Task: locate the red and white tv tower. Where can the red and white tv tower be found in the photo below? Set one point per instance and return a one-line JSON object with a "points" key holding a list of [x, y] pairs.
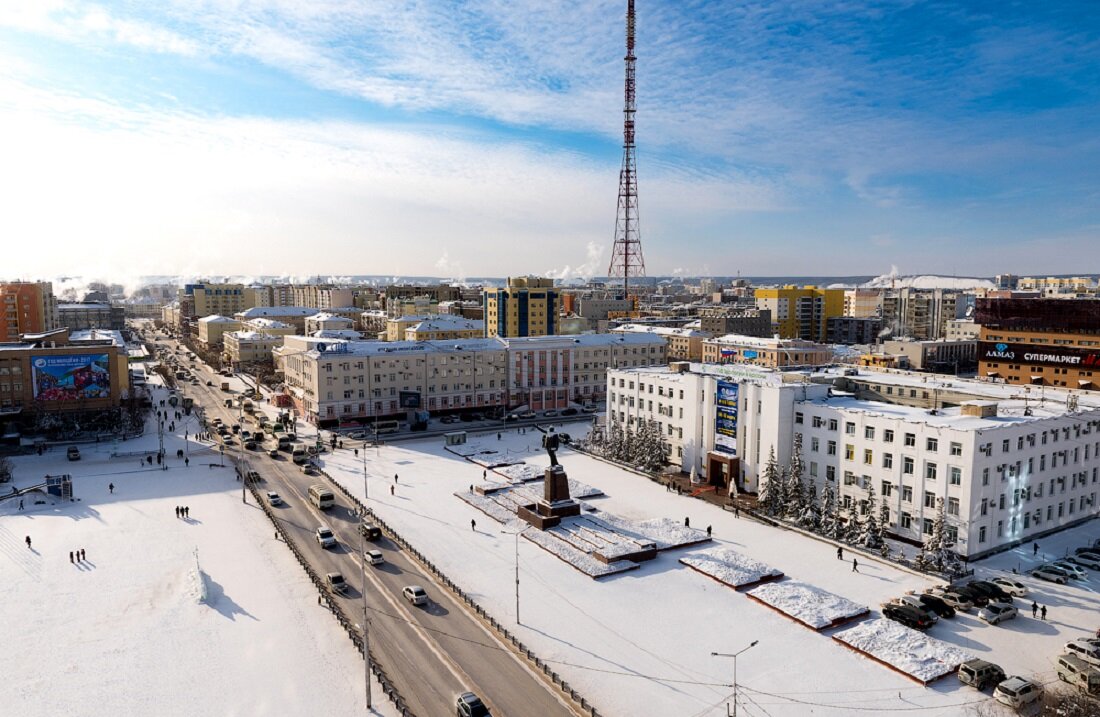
{"points": [[626, 255]]}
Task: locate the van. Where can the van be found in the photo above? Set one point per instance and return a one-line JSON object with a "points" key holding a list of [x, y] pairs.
{"points": [[1075, 671], [1016, 692], [980, 674], [1087, 649], [321, 497], [298, 453]]}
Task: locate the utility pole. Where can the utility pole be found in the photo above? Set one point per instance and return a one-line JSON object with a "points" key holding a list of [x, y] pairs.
{"points": [[363, 583], [516, 533], [734, 656]]}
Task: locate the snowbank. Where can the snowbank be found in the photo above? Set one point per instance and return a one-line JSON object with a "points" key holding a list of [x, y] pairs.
{"points": [[579, 559], [906, 650], [807, 604], [730, 567]]}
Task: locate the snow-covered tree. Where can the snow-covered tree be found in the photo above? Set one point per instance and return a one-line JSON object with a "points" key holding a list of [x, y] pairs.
{"points": [[937, 551], [852, 529], [871, 530], [883, 520], [829, 523], [596, 441], [649, 448], [795, 494], [810, 519], [770, 489]]}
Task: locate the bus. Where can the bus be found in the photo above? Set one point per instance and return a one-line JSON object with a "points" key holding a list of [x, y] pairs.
{"points": [[298, 453], [387, 426], [321, 497]]}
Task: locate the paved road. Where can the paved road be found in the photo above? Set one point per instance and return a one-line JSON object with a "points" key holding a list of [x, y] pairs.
{"points": [[432, 652]]}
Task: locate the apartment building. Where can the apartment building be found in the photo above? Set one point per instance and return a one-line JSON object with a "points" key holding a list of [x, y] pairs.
{"points": [[849, 330], [962, 330], [920, 314], [863, 303], [801, 312], [294, 315], [322, 296], [325, 321], [206, 299], [770, 353], [29, 307], [1055, 284], [243, 348], [269, 326], [1008, 469], [743, 321], [1040, 342], [683, 344], [373, 322], [527, 306], [440, 328], [212, 328], [50, 371]]}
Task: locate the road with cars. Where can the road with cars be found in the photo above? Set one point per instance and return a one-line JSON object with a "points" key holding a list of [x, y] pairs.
{"points": [[432, 652]]}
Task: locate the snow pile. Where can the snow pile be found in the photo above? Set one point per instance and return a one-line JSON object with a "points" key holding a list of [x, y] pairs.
{"points": [[906, 650], [196, 586], [730, 567], [662, 532], [522, 473], [491, 505], [926, 281], [579, 559], [807, 604]]}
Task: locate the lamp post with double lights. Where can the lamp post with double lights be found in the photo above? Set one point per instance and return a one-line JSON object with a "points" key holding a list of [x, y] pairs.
{"points": [[517, 533], [734, 656]]}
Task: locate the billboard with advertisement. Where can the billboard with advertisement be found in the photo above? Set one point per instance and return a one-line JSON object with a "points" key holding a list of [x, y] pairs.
{"points": [[409, 399], [725, 417], [71, 377], [1033, 355]]}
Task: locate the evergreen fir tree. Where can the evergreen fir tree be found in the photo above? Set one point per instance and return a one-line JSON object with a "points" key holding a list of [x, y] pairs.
{"points": [[810, 519], [769, 492], [871, 534], [795, 498], [829, 525], [883, 519]]}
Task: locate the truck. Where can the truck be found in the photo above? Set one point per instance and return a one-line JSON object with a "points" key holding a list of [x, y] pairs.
{"points": [[225, 385]]}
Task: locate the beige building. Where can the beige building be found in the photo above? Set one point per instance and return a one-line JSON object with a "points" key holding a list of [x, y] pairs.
{"points": [[771, 353], [221, 299], [50, 372], [322, 297], [269, 326], [412, 306], [249, 347], [683, 344], [441, 328], [294, 315], [325, 321], [863, 303], [373, 323], [213, 327], [962, 330]]}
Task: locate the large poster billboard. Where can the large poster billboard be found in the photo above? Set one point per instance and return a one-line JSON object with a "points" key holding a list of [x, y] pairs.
{"points": [[72, 377], [725, 417]]}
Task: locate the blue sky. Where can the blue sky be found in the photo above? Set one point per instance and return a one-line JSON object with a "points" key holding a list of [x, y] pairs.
{"points": [[483, 137]]}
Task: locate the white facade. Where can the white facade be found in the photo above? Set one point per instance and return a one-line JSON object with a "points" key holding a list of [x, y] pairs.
{"points": [[1004, 479]]}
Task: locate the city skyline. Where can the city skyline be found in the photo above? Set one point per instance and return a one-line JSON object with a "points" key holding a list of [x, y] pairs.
{"points": [[446, 138]]}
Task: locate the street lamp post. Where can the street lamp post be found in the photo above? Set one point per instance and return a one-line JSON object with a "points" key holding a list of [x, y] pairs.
{"points": [[734, 656], [516, 533]]}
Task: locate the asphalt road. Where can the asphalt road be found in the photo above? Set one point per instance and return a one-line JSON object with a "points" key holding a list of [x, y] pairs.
{"points": [[431, 652]]}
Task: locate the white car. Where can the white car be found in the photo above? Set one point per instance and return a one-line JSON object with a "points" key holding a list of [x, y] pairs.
{"points": [[274, 498], [1016, 692], [1088, 649], [336, 583], [1073, 570], [1012, 587], [415, 594], [1044, 574], [1087, 560], [995, 613], [325, 537], [953, 599], [374, 557]]}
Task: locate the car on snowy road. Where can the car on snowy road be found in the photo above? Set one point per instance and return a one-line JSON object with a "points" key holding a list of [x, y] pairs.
{"points": [[374, 557], [908, 615], [73, 454], [274, 498], [1016, 692], [1075, 571], [325, 537], [1012, 587], [1085, 560], [952, 598], [1054, 576], [336, 583], [996, 613], [470, 705], [415, 594]]}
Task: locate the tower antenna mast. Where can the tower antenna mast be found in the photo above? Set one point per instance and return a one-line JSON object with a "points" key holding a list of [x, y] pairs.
{"points": [[626, 255]]}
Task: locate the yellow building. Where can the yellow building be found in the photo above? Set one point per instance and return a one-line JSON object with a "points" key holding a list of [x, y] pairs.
{"points": [[223, 299], [801, 313], [527, 306], [442, 328], [211, 328]]}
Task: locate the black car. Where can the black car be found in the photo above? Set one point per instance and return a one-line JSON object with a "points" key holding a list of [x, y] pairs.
{"points": [[569, 412], [979, 597], [470, 705], [991, 590], [936, 605], [908, 616]]}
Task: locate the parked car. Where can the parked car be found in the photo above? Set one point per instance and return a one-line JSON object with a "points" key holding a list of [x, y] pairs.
{"points": [[1075, 571], [250, 445], [470, 705], [336, 583], [991, 590], [415, 594], [1013, 587], [914, 601], [1085, 560], [1087, 649], [1050, 575], [374, 557], [936, 605], [1017, 692], [908, 616], [1075, 671], [73, 453], [550, 414], [980, 674], [325, 537], [954, 599], [977, 597], [569, 412], [274, 498], [527, 414], [996, 613], [1093, 552]]}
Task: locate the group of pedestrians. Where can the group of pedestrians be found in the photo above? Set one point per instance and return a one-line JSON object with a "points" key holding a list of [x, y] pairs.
{"points": [[1042, 611], [183, 511], [76, 556]]}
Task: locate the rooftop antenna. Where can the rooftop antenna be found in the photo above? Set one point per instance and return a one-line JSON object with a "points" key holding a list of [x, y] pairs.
{"points": [[626, 255]]}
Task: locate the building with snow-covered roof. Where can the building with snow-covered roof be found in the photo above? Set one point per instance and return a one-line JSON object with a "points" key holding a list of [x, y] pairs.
{"points": [[91, 315], [325, 321], [249, 347], [769, 353], [294, 315], [1010, 465], [212, 328], [684, 344], [443, 327], [345, 334]]}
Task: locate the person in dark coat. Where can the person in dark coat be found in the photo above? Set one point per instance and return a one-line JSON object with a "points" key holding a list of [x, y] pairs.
{"points": [[1034, 609], [840, 553], [177, 511], [111, 487], [71, 556], [1043, 612], [28, 541], [82, 553], [855, 565], [708, 531], [473, 524], [687, 522]]}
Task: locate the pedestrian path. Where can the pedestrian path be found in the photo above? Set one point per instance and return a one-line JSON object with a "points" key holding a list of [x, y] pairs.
{"points": [[14, 548]]}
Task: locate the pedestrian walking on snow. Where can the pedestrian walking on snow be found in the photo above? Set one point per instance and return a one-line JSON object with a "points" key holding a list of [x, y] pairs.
{"points": [[20, 504], [356, 452], [71, 556], [111, 487], [687, 522], [28, 541], [855, 565], [394, 477], [82, 555], [1034, 548], [473, 524], [1034, 609], [187, 462], [187, 511], [177, 511], [708, 531], [1043, 612], [840, 553], [391, 490], [484, 474], [736, 511]]}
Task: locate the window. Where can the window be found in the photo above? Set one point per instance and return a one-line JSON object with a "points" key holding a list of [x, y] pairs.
{"points": [[832, 424], [930, 471], [927, 527], [814, 444], [906, 521], [868, 457], [954, 475], [907, 493], [929, 499], [887, 460], [888, 435], [830, 473], [831, 448], [985, 507], [910, 440], [956, 449], [952, 506], [985, 476], [798, 417], [907, 465], [849, 452], [1005, 445], [850, 428], [932, 444], [869, 432], [981, 534], [813, 469]]}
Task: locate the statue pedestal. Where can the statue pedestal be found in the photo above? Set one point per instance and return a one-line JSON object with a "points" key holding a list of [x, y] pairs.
{"points": [[555, 504]]}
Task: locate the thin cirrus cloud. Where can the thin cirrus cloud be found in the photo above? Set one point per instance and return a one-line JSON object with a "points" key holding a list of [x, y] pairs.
{"points": [[787, 121]]}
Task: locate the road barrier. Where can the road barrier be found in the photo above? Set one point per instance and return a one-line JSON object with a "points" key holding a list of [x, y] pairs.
{"points": [[501, 631], [388, 688]]}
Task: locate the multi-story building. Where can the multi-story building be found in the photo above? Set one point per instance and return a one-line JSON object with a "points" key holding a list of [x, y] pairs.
{"points": [[770, 353], [29, 307], [221, 299], [440, 328], [527, 306], [212, 329], [397, 307], [743, 321], [850, 330], [373, 323], [596, 306], [325, 321], [863, 303], [1007, 468], [49, 371], [258, 295], [801, 312], [322, 297], [269, 326], [89, 315], [243, 348], [935, 356], [962, 330], [1042, 342], [294, 315], [1055, 284], [437, 293], [142, 307], [683, 344], [920, 314]]}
